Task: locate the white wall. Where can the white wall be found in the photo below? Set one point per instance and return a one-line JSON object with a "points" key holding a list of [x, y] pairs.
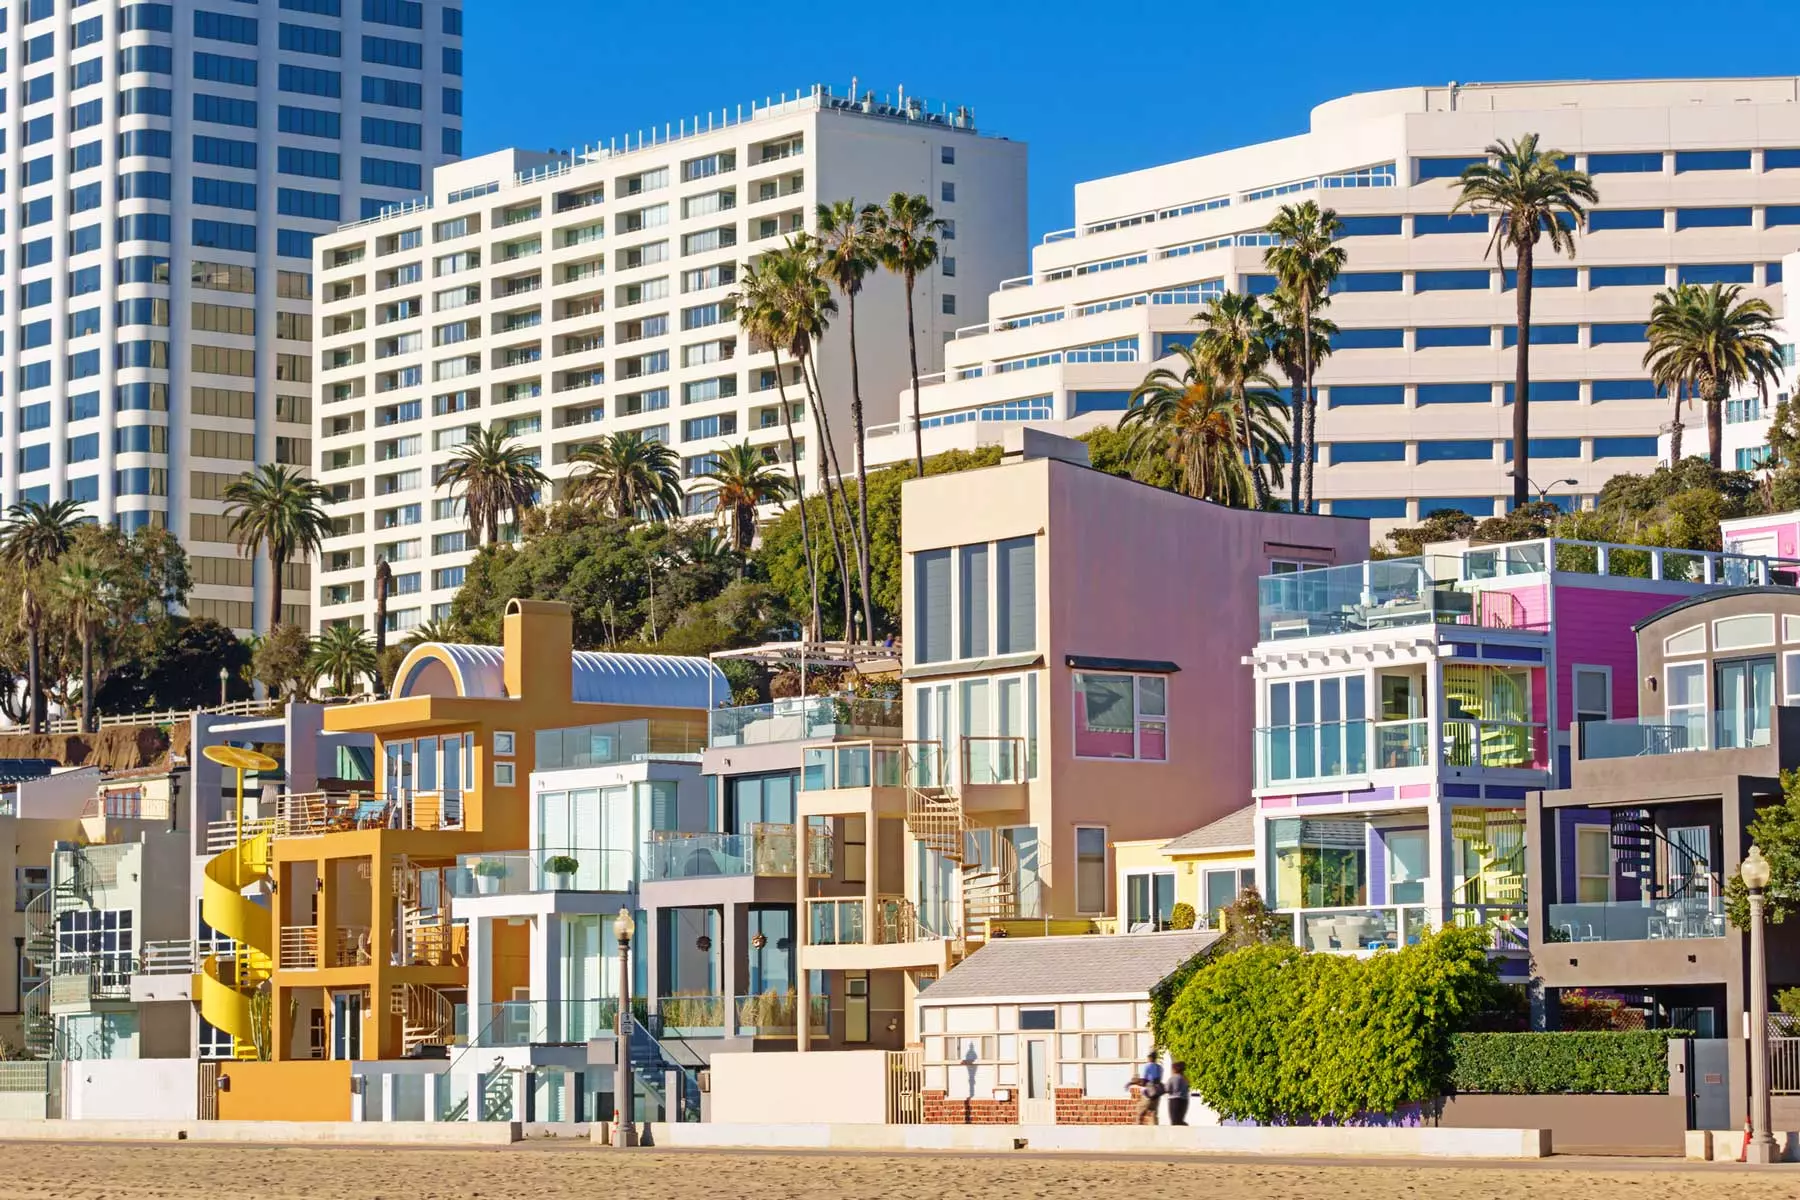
{"points": [[131, 1089], [842, 1087]]}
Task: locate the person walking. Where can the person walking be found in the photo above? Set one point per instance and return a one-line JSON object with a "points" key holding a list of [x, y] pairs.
{"points": [[1149, 1083], [1177, 1088]]}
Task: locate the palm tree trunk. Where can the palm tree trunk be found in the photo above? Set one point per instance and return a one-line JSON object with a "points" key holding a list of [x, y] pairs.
{"points": [[912, 348], [88, 724], [1296, 436], [809, 369], [34, 660], [1675, 426], [1309, 411], [275, 557], [812, 566], [1522, 385], [1715, 421], [1258, 484], [862, 477], [650, 577]]}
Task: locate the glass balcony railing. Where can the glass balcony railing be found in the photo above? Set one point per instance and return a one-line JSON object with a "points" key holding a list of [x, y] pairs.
{"points": [[800, 719], [776, 1014], [542, 1022], [1401, 744], [1636, 920], [1303, 753], [1357, 929], [768, 850], [695, 1015], [1638, 737], [1497, 744], [845, 922], [515, 873], [1510, 923], [992, 760], [1383, 594], [617, 742], [1340, 749], [851, 765]]}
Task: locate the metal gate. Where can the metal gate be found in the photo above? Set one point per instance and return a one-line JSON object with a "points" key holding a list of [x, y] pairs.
{"points": [[1709, 1083], [207, 1083], [905, 1072]]}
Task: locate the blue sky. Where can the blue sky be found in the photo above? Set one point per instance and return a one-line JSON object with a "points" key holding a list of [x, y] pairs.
{"points": [[1095, 88]]}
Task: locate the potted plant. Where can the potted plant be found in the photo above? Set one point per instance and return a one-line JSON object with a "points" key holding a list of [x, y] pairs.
{"points": [[561, 868], [488, 874]]}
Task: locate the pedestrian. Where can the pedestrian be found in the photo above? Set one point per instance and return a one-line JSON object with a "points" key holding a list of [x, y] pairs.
{"points": [[1178, 1093], [1149, 1083]]}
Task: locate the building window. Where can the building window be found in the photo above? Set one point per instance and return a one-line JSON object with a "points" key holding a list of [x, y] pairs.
{"points": [[1149, 900], [504, 774], [1684, 703], [972, 584], [947, 192], [28, 884], [1090, 868], [1593, 864], [1593, 694], [1221, 889], [1316, 729], [1121, 716], [1016, 596], [947, 155], [931, 597], [949, 304]]}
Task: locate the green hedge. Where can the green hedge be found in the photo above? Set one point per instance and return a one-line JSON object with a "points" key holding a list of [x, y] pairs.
{"points": [[1548, 1064]]}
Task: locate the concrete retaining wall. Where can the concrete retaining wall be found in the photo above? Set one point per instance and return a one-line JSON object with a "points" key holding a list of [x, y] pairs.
{"points": [[1161, 1139], [370, 1133], [1648, 1125], [131, 1089], [845, 1087]]}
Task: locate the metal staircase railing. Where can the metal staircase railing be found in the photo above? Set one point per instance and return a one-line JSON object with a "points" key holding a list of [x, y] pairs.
{"points": [[427, 1016], [988, 888]]}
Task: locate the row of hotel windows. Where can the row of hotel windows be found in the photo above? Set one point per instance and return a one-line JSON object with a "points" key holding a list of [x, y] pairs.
{"points": [[1451, 167], [1436, 450]]}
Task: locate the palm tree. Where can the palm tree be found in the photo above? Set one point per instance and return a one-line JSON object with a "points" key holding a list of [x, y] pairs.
{"points": [[495, 475], [1531, 193], [280, 510], [384, 586], [909, 248], [850, 243], [1288, 350], [630, 476], [1191, 419], [36, 534], [1233, 343], [90, 588], [816, 308], [746, 480], [1708, 342], [432, 631], [1306, 262], [767, 316], [343, 654]]}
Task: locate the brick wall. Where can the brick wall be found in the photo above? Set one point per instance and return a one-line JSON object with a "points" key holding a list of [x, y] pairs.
{"points": [[1074, 1108], [940, 1110]]}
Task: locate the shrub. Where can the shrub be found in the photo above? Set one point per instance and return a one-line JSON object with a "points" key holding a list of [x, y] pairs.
{"points": [[491, 868], [561, 864], [1273, 1034], [1182, 916], [1545, 1064]]}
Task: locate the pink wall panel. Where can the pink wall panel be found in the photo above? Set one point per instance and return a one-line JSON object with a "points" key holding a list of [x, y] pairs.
{"points": [[1593, 628]]}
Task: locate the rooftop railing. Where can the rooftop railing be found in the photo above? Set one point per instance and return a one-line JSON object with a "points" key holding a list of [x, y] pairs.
{"points": [[617, 742], [545, 869], [804, 718], [767, 850], [1636, 920]]}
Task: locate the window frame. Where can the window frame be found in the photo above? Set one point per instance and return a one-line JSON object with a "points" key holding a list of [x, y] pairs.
{"points": [[1105, 859], [1078, 715], [1157, 922], [1604, 832], [1575, 673], [1703, 708]]}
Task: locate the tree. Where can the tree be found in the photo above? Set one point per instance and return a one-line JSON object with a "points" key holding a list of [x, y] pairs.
{"points": [[1709, 341], [1529, 193], [746, 480], [178, 667], [445, 632], [1306, 261], [1233, 343], [629, 476], [281, 663], [1191, 420], [850, 246], [1298, 347], [1438, 525], [766, 312], [343, 654], [35, 535], [384, 583], [277, 509], [1775, 829], [494, 474], [89, 588], [1110, 450], [910, 248]]}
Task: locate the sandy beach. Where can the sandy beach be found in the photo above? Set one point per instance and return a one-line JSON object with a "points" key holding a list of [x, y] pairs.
{"points": [[118, 1171]]}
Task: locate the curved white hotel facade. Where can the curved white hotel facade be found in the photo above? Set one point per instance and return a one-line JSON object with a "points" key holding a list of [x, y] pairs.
{"points": [[1698, 179]]}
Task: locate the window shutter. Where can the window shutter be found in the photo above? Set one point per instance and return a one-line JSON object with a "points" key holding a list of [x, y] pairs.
{"points": [[931, 587]]}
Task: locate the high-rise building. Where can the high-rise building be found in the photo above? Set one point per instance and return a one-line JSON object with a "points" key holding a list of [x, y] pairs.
{"points": [[1699, 181], [563, 297], [170, 165]]}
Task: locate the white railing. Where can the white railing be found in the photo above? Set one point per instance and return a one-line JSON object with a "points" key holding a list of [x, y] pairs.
{"points": [[169, 958], [223, 835]]}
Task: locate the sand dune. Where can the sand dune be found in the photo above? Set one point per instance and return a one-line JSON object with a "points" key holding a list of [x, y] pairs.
{"points": [[116, 1171]]}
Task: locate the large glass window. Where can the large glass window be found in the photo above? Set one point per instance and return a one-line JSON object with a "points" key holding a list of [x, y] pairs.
{"points": [[1016, 597], [1090, 868], [1685, 703], [1149, 900], [1318, 863], [931, 597], [1593, 864], [1745, 693], [972, 586], [1316, 729], [1121, 716], [1408, 863], [1221, 889]]}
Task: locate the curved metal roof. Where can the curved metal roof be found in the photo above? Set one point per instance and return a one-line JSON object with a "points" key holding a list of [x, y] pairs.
{"points": [[647, 680]]}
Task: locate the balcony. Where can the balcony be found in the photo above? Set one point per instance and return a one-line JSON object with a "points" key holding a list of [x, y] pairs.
{"points": [[1637, 920], [804, 719], [768, 850], [616, 742], [518, 873], [1357, 930], [868, 764], [1300, 754], [844, 922], [776, 1014], [543, 1022], [311, 814]]}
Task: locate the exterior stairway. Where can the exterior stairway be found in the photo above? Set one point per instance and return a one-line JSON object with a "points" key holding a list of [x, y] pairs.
{"points": [[228, 989], [68, 892], [986, 889], [427, 1016]]}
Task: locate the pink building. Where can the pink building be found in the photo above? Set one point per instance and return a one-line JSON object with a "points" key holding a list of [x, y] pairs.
{"points": [[1405, 707], [1073, 677]]}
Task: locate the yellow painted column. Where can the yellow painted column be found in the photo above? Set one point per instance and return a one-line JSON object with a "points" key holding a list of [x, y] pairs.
{"points": [[381, 949]]}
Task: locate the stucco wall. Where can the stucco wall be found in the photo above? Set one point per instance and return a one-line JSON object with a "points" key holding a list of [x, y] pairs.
{"points": [[1649, 1125], [132, 1089], [842, 1087], [285, 1091]]}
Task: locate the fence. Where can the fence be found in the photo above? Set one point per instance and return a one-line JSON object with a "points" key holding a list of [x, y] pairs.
{"points": [[905, 1073], [1784, 1065]]}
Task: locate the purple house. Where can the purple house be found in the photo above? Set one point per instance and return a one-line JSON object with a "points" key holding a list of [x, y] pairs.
{"points": [[1406, 708]]}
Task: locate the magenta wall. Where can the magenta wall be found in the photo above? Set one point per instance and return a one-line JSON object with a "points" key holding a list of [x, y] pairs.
{"points": [[1593, 628], [1785, 527]]}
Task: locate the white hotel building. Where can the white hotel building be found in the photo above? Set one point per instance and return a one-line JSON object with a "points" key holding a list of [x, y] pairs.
{"points": [[1698, 180], [166, 165], [561, 297]]}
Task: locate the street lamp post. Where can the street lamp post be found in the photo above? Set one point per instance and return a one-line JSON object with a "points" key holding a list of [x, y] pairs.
{"points": [[1544, 492], [224, 678], [624, 926], [1755, 872]]}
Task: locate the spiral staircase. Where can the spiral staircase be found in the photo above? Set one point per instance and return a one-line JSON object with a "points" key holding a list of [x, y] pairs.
{"points": [[228, 987], [986, 889]]}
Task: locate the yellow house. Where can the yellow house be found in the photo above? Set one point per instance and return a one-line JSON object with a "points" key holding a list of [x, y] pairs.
{"points": [[362, 961], [1205, 868]]}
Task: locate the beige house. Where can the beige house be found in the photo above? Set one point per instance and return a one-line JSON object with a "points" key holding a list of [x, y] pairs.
{"points": [[1205, 868]]}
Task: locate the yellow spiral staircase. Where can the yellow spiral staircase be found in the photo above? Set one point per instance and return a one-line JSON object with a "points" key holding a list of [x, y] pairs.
{"points": [[227, 990], [1491, 730]]}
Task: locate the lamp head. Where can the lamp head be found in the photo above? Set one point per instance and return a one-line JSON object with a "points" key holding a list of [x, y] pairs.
{"points": [[1755, 870], [624, 925]]}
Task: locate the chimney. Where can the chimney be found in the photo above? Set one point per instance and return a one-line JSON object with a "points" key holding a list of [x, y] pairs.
{"points": [[539, 642]]}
